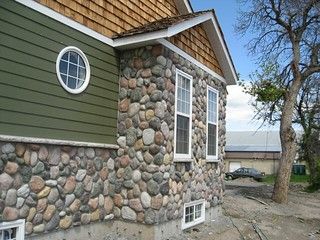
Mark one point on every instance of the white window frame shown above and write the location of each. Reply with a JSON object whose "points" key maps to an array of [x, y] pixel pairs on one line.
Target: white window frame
{"points": [[212, 158], [18, 224], [87, 66], [178, 157], [197, 221]]}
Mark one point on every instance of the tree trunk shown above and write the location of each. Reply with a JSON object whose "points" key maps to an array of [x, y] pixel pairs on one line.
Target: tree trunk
{"points": [[288, 145]]}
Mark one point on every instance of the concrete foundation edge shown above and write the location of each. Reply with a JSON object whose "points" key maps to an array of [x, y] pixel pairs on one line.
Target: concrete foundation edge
{"points": [[118, 229]]}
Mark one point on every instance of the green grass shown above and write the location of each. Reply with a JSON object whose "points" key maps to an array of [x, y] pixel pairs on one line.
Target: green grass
{"points": [[294, 179]]}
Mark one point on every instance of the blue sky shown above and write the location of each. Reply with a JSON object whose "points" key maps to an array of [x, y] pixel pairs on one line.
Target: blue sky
{"points": [[239, 112]]}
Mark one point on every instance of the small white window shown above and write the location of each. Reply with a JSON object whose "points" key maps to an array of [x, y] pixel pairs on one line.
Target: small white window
{"points": [[212, 124], [183, 111], [194, 213], [12, 230], [73, 70]]}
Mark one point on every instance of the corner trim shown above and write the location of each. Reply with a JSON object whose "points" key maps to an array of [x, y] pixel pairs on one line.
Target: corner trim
{"points": [[10, 138], [65, 20]]}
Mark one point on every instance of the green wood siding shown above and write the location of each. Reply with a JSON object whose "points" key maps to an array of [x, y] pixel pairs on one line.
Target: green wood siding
{"points": [[32, 101]]}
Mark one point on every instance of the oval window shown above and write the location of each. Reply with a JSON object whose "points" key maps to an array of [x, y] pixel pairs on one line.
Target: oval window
{"points": [[73, 70]]}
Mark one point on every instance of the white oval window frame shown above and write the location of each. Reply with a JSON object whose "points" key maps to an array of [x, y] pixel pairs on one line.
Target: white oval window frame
{"points": [[86, 63]]}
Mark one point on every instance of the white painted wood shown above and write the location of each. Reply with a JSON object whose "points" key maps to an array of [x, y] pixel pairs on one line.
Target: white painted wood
{"points": [[234, 166], [18, 224], [185, 225]]}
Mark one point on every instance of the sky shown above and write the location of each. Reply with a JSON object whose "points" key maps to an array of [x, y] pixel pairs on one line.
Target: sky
{"points": [[239, 112]]}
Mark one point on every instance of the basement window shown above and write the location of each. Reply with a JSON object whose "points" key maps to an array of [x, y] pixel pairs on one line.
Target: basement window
{"points": [[194, 213], [13, 230], [73, 70]]}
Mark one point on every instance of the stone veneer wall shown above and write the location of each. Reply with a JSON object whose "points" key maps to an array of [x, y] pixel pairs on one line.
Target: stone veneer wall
{"points": [[159, 187], [59, 187], [55, 186]]}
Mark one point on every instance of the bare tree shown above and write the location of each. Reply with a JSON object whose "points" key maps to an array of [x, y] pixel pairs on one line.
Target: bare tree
{"points": [[286, 32]]}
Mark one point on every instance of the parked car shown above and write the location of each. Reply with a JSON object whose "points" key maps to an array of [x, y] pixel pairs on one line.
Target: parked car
{"points": [[245, 172]]}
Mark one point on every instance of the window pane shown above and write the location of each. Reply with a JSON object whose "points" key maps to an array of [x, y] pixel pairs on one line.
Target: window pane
{"points": [[72, 82], [74, 57], [72, 70], [63, 67], [212, 139], [182, 139]]}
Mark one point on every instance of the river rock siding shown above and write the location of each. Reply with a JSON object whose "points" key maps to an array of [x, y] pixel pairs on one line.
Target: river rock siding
{"points": [[156, 187]]}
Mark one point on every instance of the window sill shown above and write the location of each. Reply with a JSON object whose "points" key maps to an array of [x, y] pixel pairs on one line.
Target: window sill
{"points": [[213, 160], [182, 160]]}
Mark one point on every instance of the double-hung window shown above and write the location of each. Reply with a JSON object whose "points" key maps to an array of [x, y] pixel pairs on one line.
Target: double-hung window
{"points": [[183, 113], [212, 124]]}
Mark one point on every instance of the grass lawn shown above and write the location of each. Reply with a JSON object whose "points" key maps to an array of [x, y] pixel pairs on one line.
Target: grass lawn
{"points": [[294, 179]]}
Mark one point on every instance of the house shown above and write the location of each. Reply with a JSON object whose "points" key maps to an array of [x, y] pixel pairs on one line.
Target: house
{"points": [[260, 150], [112, 118]]}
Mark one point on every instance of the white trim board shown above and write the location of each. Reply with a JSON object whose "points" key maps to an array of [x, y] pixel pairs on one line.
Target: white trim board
{"points": [[65, 20], [9, 138]]}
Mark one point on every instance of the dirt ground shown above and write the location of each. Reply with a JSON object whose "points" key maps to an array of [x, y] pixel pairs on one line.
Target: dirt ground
{"points": [[245, 218]]}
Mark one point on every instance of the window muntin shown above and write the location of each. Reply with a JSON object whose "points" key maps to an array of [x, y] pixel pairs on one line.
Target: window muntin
{"points": [[183, 115], [73, 70], [194, 213], [212, 124], [13, 230]]}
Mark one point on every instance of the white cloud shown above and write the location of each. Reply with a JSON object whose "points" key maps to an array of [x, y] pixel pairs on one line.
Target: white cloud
{"points": [[239, 111]]}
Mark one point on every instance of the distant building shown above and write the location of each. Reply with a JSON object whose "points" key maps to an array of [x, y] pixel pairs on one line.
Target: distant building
{"points": [[260, 150]]}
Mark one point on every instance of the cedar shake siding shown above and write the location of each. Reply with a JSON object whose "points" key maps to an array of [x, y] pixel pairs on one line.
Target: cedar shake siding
{"points": [[33, 103]]}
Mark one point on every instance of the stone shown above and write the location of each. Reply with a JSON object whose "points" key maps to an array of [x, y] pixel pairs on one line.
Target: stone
{"points": [[38, 168], [156, 96], [124, 161], [157, 70], [6, 181], [136, 95], [158, 138], [156, 202], [53, 223], [109, 217], [8, 148], [54, 156], [104, 173], [95, 216], [93, 203], [32, 213], [145, 200], [138, 145], [110, 164], [158, 159], [39, 228], [158, 177], [20, 202], [54, 172], [122, 141], [164, 188], [135, 204], [10, 214], [20, 149], [81, 175], [128, 184], [128, 214], [49, 212], [75, 206], [69, 199], [149, 216], [33, 159], [28, 228], [124, 105], [11, 197], [85, 218], [149, 114], [90, 152], [136, 176], [65, 158], [36, 184], [97, 161], [148, 136], [53, 195], [162, 60], [155, 123], [44, 192], [160, 110], [43, 153], [146, 73], [118, 200], [51, 183], [153, 187], [41, 205], [65, 222], [132, 83], [108, 204], [133, 109], [70, 184], [131, 136], [11, 168]]}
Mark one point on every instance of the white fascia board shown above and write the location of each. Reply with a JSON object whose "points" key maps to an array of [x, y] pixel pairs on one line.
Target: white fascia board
{"points": [[138, 38], [65, 20], [182, 53], [221, 51], [180, 27]]}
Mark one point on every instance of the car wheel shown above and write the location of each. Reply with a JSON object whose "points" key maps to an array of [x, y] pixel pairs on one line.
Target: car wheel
{"points": [[229, 178]]}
